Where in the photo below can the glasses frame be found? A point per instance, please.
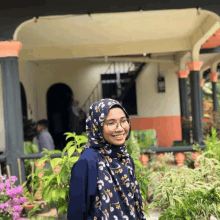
(118, 124)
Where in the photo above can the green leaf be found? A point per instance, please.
(62, 210)
(58, 179)
(54, 152)
(69, 134)
(73, 159)
(71, 151)
(79, 150)
(137, 162)
(54, 162)
(68, 145)
(55, 195)
(62, 193)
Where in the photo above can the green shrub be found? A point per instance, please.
(55, 186)
(147, 138)
(30, 148)
(133, 146)
(189, 193)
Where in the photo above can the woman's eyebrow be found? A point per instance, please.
(112, 119)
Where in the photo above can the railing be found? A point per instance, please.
(171, 149)
(146, 151)
(95, 95)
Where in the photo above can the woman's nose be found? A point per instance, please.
(119, 127)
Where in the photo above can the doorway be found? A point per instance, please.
(60, 116)
(23, 101)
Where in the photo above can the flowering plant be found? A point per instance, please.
(10, 198)
(186, 123)
(214, 122)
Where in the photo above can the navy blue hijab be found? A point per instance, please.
(119, 196)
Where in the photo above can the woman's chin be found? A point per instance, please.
(118, 142)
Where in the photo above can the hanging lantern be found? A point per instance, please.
(161, 83)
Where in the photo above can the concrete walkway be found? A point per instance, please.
(153, 215)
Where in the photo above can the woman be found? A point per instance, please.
(103, 184)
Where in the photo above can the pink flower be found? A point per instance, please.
(14, 179)
(6, 207)
(22, 200)
(16, 215)
(15, 201)
(7, 183)
(19, 189)
(17, 208)
(2, 187)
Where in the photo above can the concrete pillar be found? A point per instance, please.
(184, 105)
(194, 68)
(9, 52)
(214, 79)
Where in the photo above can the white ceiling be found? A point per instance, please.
(161, 33)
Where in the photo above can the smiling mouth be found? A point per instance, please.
(120, 135)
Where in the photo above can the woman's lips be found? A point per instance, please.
(119, 137)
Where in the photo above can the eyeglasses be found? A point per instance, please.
(113, 125)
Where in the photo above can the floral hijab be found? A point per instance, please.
(118, 195)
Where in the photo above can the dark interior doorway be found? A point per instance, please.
(23, 101)
(59, 102)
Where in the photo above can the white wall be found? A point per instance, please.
(150, 102)
(2, 125)
(28, 77)
(80, 76)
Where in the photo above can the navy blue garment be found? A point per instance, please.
(103, 183)
(83, 186)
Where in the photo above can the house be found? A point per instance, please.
(160, 49)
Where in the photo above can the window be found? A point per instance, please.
(109, 90)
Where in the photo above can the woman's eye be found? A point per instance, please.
(110, 123)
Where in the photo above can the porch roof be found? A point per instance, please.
(113, 34)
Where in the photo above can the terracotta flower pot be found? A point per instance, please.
(144, 159)
(194, 156)
(28, 207)
(180, 158)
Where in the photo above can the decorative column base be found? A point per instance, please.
(180, 157)
(144, 159)
(195, 156)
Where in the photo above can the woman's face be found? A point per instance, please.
(112, 135)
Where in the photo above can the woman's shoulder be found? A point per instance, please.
(90, 155)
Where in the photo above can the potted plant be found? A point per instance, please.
(31, 200)
(55, 185)
(11, 199)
